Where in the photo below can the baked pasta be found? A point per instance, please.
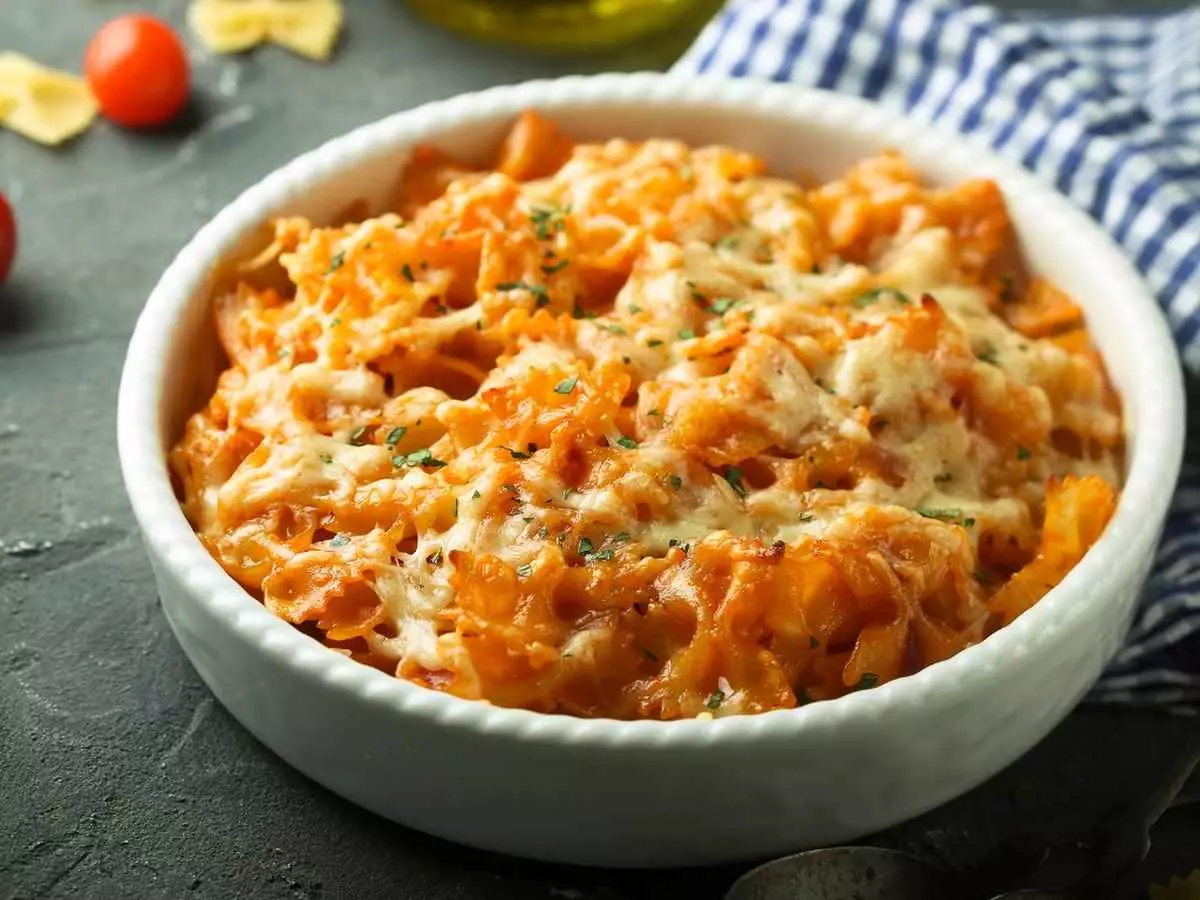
(635, 430)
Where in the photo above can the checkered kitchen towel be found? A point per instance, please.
(1108, 109)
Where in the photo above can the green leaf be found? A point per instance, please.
(627, 442)
(566, 385)
(733, 475)
(715, 699)
(868, 680)
(336, 262)
(395, 434)
(525, 570)
(407, 272)
(358, 436)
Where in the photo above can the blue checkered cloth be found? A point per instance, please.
(1108, 110)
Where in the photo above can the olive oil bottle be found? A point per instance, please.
(563, 25)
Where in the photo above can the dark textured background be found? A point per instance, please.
(119, 776)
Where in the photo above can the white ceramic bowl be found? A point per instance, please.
(650, 793)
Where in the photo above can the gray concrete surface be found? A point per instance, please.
(119, 775)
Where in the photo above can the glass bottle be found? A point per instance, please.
(563, 25)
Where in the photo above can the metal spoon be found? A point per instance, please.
(873, 873)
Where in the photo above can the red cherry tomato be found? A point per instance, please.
(138, 70)
(8, 238)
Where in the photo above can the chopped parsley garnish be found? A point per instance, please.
(434, 558)
(687, 173)
(538, 290)
(476, 495)
(648, 654)
(335, 322)
(866, 298)
(620, 537)
(868, 680)
(578, 312)
(395, 434)
(336, 262)
(556, 267)
(516, 454)
(339, 540)
(968, 522)
(729, 242)
(525, 570)
(722, 305)
(1023, 453)
(943, 478)
(567, 492)
(988, 355)
(733, 475)
(590, 554)
(627, 442)
(566, 385)
(358, 436)
(654, 412)
(715, 699)
(407, 272)
(511, 488)
(686, 334)
(654, 342)
(813, 642)
(422, 457)
(326, 458)
(945, 515)
(456, 507)
(983, 577)
(823, 386)
(614, 329)
(548, 219)
(675, 482)
(805, 517)
(634, 309)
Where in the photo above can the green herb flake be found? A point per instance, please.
(585, 547)
(525, 570)
(715, 700)
(434, 558)
(538, 290)
(722, 305)
(335, 322)
(407, 272)
(943, 478)
(648, 654)
(1023, 453)
(733, 475)
(686, 334)
(988, 355)
(358, 436)
(548, 219)
(654, 342)
(813, 642)
(614, 329)
(620, 537)
(516, 454)
(395, 434)
(866, 298)
(634, 309)
(945, 515)
(566, 385)
(511, 488)
(336, 262)
(339, 540)
(555, 267)
(476, 495)
(675, 482)
(983, 577)
(422, 457)
(805, 517)
(868, 680)
(326, 458)
(654, 413)
(627, 442)
(729, 242)
(968, 522)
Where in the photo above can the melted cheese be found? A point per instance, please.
(307, 27)
(42, 104)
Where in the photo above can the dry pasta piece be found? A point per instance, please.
(43, 104)
(307, 27)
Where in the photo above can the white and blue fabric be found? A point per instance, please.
(1108, 110)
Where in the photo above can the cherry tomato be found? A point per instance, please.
(8, 238)
(138, 70)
